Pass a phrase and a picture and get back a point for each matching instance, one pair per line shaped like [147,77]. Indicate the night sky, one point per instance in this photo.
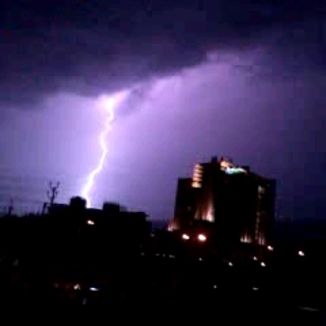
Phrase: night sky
[203,78]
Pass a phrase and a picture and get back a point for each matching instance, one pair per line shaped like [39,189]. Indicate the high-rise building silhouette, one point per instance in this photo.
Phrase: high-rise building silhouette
[236,201]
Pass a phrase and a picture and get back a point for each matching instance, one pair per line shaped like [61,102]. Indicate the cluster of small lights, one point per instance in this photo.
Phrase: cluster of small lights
[262,264]
[201,237]
[77,287]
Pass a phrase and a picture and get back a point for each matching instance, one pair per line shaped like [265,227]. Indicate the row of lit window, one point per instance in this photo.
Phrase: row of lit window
[197,176]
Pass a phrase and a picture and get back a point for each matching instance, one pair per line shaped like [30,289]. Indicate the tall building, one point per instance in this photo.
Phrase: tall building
[238,202]
[184,204]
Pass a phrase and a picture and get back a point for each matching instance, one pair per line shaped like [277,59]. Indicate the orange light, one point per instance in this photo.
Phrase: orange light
[201,237]
[185,237]
[196,185]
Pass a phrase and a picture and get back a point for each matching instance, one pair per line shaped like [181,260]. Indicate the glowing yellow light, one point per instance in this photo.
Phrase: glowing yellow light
[196,185]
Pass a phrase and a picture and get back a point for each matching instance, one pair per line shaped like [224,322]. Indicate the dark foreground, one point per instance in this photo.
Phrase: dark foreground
[294,290]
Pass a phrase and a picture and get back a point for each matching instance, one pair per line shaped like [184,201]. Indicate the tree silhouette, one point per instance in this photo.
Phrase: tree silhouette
[52,192]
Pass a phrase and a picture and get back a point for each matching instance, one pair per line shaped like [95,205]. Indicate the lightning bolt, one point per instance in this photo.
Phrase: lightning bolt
[110,104]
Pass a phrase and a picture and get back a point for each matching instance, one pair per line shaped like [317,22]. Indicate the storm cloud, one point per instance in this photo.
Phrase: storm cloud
[88,49]
[236,78]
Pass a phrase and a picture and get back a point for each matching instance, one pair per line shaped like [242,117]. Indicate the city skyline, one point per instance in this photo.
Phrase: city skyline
[244,79]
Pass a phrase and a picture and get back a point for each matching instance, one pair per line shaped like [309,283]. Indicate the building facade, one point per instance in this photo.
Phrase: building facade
[238,202]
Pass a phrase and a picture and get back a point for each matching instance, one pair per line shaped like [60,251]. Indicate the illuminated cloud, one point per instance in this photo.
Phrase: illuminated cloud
[65,50]
[236,78]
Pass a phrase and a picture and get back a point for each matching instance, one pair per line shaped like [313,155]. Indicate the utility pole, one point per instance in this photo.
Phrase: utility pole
[10,207]
[44,207]
[52,192]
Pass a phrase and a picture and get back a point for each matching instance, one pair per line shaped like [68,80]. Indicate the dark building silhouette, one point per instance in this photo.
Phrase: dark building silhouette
[238,202]
[185,202]
[78,205]
[80,235]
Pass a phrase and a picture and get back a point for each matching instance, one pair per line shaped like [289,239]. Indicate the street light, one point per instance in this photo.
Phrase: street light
[185,237]
[202,237]
[90,222]
[76,287]
[301,253]
[94,289]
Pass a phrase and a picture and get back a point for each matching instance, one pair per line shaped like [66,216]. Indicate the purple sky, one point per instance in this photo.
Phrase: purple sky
[255,94]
